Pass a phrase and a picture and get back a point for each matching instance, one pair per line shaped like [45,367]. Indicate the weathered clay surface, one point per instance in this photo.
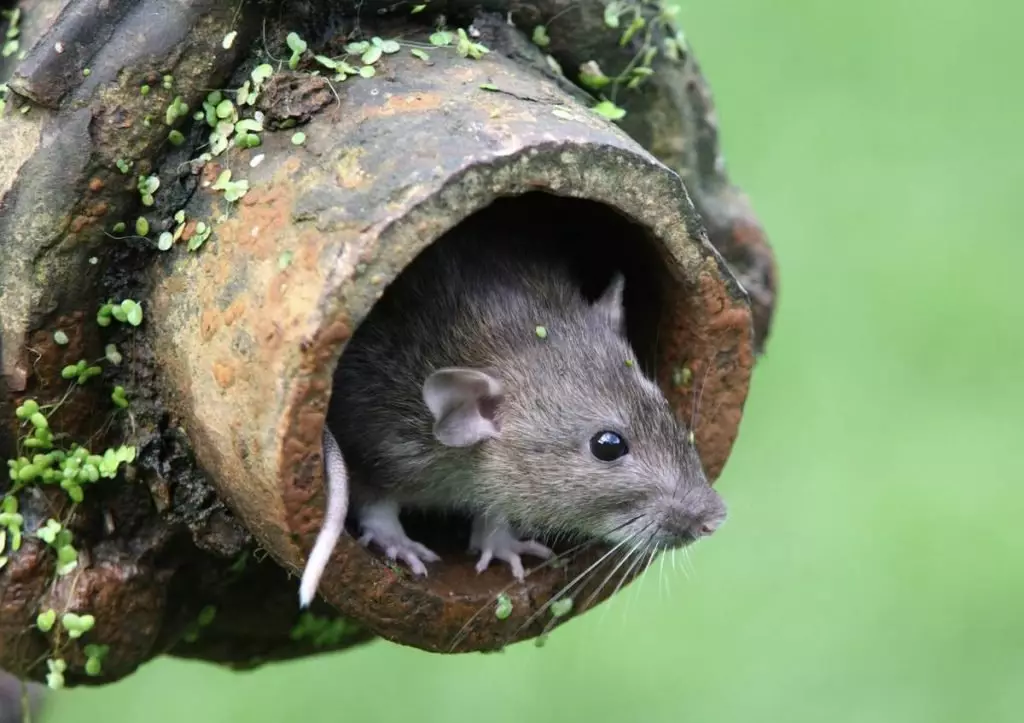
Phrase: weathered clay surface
[386,169]
[264,311]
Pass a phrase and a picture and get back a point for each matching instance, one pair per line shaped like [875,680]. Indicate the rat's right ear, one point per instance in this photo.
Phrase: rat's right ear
[610,305]
[464,403]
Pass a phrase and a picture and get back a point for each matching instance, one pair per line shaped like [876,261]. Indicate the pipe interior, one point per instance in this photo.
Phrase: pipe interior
[598,240]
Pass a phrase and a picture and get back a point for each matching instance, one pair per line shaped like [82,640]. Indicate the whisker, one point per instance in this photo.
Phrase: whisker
[557,596]
[625,558]
[627,574]
[567,556]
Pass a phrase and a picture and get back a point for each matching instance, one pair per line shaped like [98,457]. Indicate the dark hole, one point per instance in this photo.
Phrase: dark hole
[598,241]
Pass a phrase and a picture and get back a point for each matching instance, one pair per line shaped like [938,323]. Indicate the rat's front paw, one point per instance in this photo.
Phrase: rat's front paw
[493,538]
[382,527]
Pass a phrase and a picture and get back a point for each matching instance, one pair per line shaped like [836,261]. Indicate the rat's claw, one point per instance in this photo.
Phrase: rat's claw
[493,538]
[381,526]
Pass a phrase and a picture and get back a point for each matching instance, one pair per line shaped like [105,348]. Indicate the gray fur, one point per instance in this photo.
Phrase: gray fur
[475,306]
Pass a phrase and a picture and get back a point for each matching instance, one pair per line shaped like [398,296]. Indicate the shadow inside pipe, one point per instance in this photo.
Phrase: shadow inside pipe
[597,241]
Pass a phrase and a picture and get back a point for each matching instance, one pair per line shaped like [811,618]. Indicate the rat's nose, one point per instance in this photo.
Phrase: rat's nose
[693,515]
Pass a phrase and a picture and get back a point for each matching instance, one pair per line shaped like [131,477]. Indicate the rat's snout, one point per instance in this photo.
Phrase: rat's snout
[689,516]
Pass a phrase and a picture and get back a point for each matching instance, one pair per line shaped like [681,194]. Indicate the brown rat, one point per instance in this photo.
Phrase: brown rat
[484,382]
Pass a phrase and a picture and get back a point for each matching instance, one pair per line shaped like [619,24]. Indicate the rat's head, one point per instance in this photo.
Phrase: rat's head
[570,437]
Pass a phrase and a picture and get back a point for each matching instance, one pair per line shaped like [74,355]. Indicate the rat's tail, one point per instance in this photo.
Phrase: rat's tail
[334,521]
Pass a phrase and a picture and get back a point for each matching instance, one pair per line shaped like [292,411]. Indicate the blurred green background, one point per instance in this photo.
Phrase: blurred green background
[872,566]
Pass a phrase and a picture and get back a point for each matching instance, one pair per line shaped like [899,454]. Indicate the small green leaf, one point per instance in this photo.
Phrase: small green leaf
[389,46]
[45,620]
[418,9]
[489,86]
[298,138]
[60,338]
[141,226]
[540,36]
[561,607]
[541,332]
[77,625]
[372,55]
[296,44]
[611,14]
[592,76]
[441,38]
[228,40]
[176,137]
[504,607]
[421,54]
[609,110]
[260,73]
[367,71]
[634,27]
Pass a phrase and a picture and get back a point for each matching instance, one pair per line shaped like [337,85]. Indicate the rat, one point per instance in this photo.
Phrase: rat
[484,381]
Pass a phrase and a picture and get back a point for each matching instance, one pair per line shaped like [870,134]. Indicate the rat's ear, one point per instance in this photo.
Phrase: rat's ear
[464,403]
[610,307]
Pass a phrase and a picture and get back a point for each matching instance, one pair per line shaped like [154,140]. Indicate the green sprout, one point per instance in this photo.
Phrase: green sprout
[142,226]
[504,607]
[60,338]
[46,620]
[127,311]
[541,332]
[94,656]
[609,110]
[540,36]
[468,48]
[421,54]
[10,526]
[80,372]
[118,397]
[592,76]
[177,109]
[298,46]
[147,186]
[55,676]
[59,538]
[199,237]
[682,376]
[233,190]
[77,625]
[11,43]
[559,608]
[441,38]
[298,138]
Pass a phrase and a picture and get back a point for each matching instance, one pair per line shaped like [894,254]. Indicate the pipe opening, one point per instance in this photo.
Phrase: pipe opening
[597,241]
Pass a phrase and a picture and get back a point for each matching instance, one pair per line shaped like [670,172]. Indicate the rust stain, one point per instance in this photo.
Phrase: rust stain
[410,103]
[348,171]
[234,312]
[95,185]
[223,374]
[80,222]
[208,323]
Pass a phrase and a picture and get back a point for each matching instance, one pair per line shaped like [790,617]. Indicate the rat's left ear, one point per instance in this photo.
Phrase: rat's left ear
[464,403]
[610,307]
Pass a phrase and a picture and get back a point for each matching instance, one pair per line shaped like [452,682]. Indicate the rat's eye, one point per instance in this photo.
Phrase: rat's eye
[608,446]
